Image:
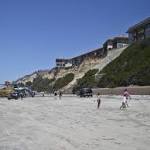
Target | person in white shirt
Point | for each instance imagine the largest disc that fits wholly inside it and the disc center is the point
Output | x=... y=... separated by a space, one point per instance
x=126 y=96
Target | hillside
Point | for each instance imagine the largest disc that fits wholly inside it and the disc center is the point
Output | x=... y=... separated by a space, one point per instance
x=90 y=64
x=132 y=67
x=57 y=74
x=31 y=77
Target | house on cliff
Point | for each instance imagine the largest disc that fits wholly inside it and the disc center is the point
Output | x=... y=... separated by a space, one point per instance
x=139 y=31
x=116 y=42
x=76 y=61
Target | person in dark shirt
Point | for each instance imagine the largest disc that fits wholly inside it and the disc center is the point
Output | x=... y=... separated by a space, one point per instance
x=98 y=100
x=60 y=94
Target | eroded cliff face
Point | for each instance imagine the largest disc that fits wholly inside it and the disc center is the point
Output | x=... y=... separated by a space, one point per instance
x=92 y=63
x=27 y=78
x=78 y=71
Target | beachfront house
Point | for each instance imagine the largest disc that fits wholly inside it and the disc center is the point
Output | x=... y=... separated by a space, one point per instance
x=139 y=31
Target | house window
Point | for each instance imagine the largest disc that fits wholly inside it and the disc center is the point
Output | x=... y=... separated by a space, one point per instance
x=141 y=31
x=148 y=26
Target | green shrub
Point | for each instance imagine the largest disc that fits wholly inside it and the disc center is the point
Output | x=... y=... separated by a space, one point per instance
x=130 y=68
x=29 y=83
x=62 y=82
x=88 y=80
x=39 y=84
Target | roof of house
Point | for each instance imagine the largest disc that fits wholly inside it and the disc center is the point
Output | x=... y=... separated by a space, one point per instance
x=116 y=38
x=62 y=59
x=82 y=55
x=139 y=25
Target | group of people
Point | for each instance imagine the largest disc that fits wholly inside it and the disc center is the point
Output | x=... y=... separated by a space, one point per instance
x=126 y=97
x=56 y=93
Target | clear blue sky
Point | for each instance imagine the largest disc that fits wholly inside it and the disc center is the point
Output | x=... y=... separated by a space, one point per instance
x=35 y=32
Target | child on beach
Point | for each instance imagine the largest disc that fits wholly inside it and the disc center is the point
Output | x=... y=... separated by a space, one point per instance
x=126 y=96
x=98 y=100
x=60 y=94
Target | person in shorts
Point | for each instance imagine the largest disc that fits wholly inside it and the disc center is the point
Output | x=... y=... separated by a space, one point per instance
x=126 y=96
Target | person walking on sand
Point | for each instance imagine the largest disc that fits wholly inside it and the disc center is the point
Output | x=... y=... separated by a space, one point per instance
x=21 y=96
x=123 y=105
x=126 y=96
x=98 y=100
x=60 y=94
x=55 y=93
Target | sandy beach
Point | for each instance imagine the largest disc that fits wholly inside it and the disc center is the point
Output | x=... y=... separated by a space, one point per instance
x=73 y=123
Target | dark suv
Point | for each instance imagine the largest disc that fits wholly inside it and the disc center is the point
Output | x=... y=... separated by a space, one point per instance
x=86 y=92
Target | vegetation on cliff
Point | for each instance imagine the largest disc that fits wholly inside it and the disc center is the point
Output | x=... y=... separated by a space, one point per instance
x=132 y=67
x=42 y=84
x=61 y=82
x=88 y=80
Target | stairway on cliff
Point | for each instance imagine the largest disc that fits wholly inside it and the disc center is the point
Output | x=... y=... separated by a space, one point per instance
x=90 y=63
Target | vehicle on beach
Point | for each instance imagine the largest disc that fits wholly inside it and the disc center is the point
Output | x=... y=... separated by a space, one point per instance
x=21 y=92
x=86 y=92
x=25 y=92
x=13 y=95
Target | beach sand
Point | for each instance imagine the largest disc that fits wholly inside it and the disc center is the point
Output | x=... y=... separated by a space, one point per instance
x=73 y=123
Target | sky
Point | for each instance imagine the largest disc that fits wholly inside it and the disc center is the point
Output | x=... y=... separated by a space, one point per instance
x=33 y=33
